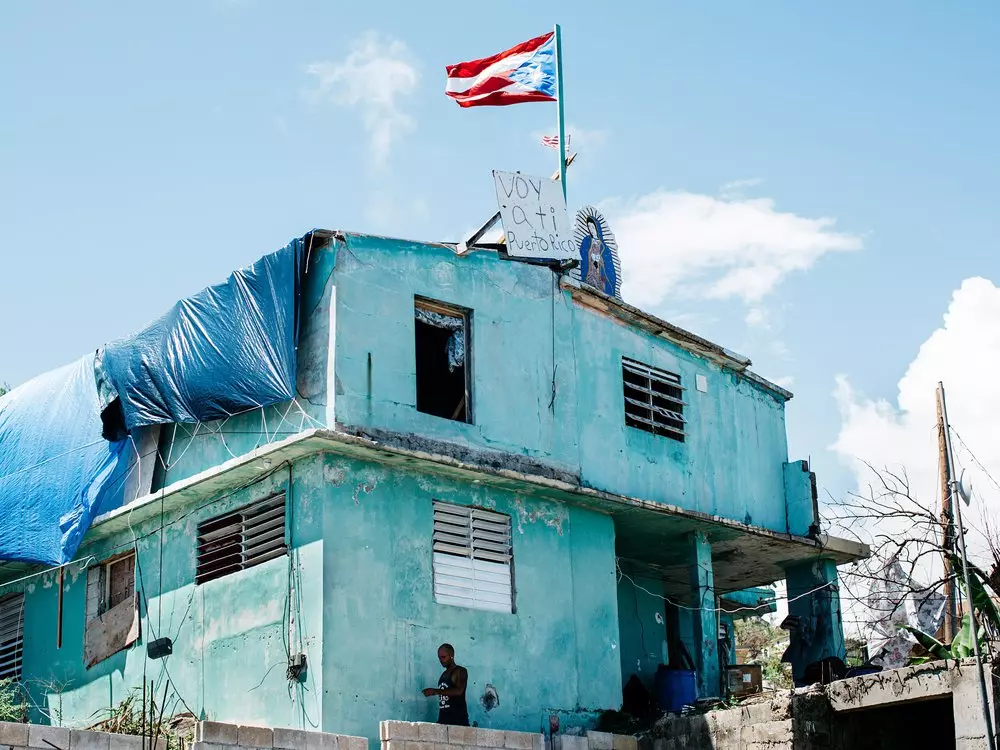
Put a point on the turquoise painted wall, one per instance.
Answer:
(642, 627)
(229, 636)
(559, 651)
(526, 333)
(355, 595)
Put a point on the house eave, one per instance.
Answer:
(688, 341)
(263, 461)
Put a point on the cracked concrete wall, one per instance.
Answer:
(356, 596)
(229, 634)
(547, 387)
(558, 652)
(547, 383)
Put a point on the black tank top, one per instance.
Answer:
(452, 709)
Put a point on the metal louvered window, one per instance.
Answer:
(241, 539)
(11, 636)
(654, 399)
(473, 559)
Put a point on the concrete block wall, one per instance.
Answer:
(212, 735)
(42, 737)
(209, 735)
(405, 735)
(756, 726)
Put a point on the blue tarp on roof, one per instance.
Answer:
(227, 349)
(56, 471)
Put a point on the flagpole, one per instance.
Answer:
(562, 118)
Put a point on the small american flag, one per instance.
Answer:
(552, 141)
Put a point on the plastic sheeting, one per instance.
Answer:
(896, 599)
(229, 348)
(56, 471)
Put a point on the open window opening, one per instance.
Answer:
(442, 351)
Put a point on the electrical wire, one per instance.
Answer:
(728, 610)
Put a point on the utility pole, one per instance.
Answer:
(947, 523)
(957, 507)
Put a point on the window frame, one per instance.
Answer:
(12, 664)
(446, 545)
(456, 311)
(103, 605)
(249, 516)
(656, 423)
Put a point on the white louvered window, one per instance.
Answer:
(654, 399)
(241, 539)
(11, 636)
(473, 560)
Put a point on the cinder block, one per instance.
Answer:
(432, 733)
(573, 742)
(202, 746)
(519, 740)
(490, 737)
(13, 733)
(124, 742)
(80, 739)
(624, 742)
(292, 739)
(401, 730)
(462, 736)
(538, 741)
(599, 740)
(48, 737)
(217, 733)
(254, 736)
(392, 745)
(354, 743)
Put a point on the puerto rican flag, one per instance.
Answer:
(525, 73)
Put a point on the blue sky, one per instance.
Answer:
(147, 151)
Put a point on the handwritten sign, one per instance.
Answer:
(534, 217)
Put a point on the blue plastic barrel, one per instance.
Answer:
(675, 688)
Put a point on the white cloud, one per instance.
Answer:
(735, 188)
(374, 77)
(686, 244)
(964, 353)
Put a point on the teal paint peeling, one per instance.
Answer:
(528, 335)
(800, 498)
(228, 634)
(706, 631)
(356, 596)
(558, 651)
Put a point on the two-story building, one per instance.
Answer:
(481, 452)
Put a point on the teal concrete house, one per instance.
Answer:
(480, 451)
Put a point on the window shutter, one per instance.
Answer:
(472, 558)
(241, 539)
(11, 636)
(654, 399)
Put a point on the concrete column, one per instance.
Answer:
(706, 629)
(814, 598)
(967, 705)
